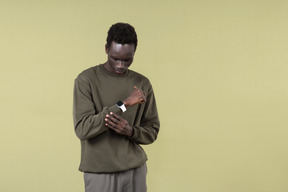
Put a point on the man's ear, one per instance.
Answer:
(106, 49)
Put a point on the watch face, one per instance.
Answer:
(119, 103)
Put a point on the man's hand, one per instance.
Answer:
(137, 96)
(118, 124)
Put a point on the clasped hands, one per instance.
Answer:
(118, 123)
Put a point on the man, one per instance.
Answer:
(114, 112)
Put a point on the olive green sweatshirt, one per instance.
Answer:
(96, 93)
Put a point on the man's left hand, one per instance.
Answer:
(118, 124)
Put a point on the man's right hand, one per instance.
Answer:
(136, 97)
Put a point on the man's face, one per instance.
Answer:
(120, 57)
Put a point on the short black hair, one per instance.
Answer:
(122, 33)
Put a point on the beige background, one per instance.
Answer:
(218, 67)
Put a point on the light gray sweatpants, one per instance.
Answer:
(133, 180)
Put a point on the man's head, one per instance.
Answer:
(121, 33)
(120, 47)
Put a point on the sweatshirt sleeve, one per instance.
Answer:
(87, 122)
(147, 131)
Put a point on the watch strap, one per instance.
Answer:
(121, 105)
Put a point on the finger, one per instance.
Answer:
(116, 119)
(143, 98)
(137, 89)
(112, 118)
(116, 116)
(141, 92)
(109, 123)
(120, 121)
(116, 127)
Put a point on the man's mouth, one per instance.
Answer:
(120, 70)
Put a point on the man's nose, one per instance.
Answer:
(120, 64)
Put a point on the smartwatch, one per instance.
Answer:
(121, 105)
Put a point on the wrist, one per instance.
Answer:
(132, 132)
(125, 103)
